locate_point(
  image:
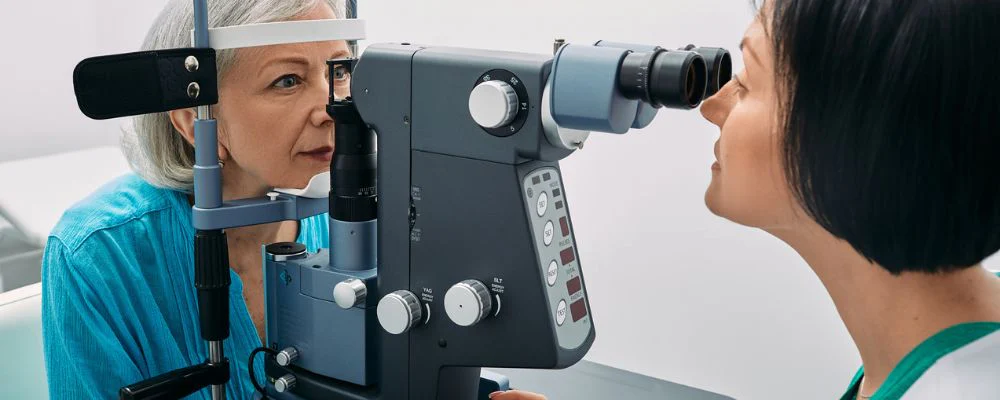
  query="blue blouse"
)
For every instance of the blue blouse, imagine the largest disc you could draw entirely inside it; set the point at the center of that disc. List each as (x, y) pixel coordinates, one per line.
(118, 298)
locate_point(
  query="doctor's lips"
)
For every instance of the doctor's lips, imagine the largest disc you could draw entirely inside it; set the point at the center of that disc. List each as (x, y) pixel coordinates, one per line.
(716, 165)
(324, 153)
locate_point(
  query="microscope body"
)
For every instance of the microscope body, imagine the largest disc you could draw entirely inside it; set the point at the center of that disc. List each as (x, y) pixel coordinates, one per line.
(475, 240)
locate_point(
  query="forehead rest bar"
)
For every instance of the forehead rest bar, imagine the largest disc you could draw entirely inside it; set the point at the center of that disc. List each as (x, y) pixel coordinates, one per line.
(252, 35)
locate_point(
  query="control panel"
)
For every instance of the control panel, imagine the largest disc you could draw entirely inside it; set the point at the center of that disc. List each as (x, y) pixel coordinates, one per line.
(557, 256)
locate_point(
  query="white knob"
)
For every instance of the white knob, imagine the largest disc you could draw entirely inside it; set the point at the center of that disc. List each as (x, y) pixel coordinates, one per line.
(468, 302)
(285, 383)
(399, 311)
(350, 293)
(493, 104)
(286, 356)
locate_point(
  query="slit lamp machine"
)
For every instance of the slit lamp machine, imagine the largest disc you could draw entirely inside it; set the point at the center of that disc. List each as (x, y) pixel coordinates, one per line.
(451, 236)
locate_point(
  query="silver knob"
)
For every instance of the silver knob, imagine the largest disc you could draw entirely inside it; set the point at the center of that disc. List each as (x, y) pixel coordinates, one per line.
(493, 104)
(399, 311)
(287, 356)
(468, 302)
(350, 293)
(285, 383)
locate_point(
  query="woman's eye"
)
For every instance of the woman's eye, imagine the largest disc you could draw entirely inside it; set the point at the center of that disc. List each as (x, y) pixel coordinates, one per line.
(341, 74)
(287, 82)
(740, 87)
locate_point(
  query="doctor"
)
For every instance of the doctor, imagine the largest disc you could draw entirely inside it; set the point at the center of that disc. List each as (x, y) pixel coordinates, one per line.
(864, 135)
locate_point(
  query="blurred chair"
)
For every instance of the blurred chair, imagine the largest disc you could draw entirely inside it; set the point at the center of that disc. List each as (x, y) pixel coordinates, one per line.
(35, 193)
(22, 372)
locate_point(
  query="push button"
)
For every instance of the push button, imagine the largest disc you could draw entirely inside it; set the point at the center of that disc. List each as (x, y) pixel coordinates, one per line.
(548, 232)
(561, 312)
(553, 273)
(542, 204)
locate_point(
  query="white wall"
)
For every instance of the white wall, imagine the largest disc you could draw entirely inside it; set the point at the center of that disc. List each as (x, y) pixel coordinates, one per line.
(676, 292)
(41, 44)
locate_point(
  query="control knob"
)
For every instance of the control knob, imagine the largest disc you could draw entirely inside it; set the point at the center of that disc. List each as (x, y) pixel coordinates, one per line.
(468, 302)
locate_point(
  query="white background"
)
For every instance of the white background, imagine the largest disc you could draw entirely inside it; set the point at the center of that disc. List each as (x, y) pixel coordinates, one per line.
(676, 293)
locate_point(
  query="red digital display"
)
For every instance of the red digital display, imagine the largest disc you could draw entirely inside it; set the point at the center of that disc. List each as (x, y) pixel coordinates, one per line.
(567, 255)
(578, 309)
(564, 225)
(573, 285)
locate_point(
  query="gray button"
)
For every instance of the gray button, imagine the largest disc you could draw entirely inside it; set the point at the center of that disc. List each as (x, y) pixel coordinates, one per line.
(553, 273)
(548, 232)
(542, 204)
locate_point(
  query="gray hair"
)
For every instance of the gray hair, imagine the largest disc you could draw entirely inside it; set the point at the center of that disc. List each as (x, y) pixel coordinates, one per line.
(153, 148)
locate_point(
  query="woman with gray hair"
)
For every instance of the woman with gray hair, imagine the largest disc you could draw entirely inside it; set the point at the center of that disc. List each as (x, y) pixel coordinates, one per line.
(118, 305)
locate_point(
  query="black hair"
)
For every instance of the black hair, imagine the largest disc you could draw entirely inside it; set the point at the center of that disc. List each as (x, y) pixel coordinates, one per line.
(890, 114)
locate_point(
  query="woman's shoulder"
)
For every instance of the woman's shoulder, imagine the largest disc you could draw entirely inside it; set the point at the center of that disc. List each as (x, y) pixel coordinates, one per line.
(111, 208)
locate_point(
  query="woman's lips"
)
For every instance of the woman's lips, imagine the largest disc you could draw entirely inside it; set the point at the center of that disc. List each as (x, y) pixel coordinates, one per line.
(320, 154)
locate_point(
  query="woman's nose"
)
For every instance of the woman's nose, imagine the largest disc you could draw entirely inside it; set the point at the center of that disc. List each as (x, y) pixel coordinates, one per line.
(320, 96)
(716, 109)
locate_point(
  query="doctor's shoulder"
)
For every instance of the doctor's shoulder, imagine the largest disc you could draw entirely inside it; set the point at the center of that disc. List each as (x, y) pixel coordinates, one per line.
(970, 370)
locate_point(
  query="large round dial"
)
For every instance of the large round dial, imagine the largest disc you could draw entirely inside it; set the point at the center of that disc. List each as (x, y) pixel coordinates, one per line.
(468, 302)
(493, 104)
(399, 311)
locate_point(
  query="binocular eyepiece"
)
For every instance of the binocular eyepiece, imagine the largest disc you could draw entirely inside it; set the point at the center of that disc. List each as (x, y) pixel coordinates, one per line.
(674, 78)
(613, 87)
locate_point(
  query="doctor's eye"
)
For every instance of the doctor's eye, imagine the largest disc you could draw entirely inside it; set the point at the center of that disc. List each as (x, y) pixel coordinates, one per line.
(287, 81)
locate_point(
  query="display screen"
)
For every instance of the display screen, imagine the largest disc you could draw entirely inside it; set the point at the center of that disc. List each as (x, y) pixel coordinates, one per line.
(567, 255)
(578, 309)
(573, 285)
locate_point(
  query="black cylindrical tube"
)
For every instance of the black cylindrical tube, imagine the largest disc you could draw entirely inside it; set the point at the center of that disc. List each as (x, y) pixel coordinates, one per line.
(211, 278)
(661, 78)
(353, 170)
(719, 66)
(677, 80)
(633, 76)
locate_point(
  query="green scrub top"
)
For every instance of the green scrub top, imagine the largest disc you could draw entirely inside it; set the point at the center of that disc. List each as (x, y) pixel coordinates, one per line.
(921, 358)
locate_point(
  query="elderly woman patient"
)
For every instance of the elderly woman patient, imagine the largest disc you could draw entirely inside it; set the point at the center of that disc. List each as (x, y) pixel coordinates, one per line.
(119, 305)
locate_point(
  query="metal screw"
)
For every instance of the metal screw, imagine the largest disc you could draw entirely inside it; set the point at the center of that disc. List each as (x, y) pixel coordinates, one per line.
(558, 43)
(191, 63)
(406, 119)
(193, 90)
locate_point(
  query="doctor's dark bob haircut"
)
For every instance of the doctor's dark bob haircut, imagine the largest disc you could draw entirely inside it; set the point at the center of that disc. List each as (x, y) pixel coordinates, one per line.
(891, 117)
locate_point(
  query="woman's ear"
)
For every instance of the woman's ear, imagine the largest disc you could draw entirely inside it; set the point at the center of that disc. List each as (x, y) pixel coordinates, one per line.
(183, 121)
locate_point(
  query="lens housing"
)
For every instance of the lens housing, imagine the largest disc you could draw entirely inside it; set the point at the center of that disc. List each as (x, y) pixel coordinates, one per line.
(720, 67)
(672, 79)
